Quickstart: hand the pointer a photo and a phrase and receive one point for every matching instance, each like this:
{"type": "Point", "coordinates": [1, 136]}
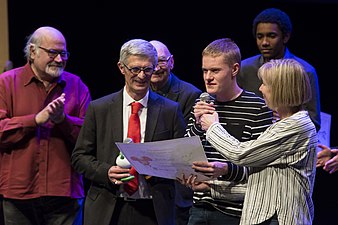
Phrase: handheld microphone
{"type": "Point", "coordinates": [123, 162]}
{"type": "Point", "coordinates": [206, 97]}
{"type": "Point", "coordinates": [128, 140]}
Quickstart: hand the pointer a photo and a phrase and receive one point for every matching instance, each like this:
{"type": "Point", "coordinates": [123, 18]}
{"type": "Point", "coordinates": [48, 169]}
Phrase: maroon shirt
{"type": "Point", "coordinates": [35, 160]}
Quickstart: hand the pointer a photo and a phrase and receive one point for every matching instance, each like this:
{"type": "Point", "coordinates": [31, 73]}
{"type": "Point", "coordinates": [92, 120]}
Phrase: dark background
{"type": "Point", "coordinates": [96, 30]}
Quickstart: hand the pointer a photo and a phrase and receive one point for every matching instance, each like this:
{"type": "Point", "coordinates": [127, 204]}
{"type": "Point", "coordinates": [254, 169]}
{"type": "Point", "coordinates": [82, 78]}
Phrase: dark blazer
{"type": "Point", "coordinates": [248, 80]}
{"type": "Point", "coordinates": [95, 152]}
{"type": "Point", "coordinates": [184, 93]}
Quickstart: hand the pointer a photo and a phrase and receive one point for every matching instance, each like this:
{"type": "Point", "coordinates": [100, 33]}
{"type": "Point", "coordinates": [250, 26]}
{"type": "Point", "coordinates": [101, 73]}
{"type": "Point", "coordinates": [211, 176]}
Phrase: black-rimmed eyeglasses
{"type": "Point", "coordinates": [164, 62]}
{"type": "Point", "coordinates": [136, 70]}
{"type": "Point", "coordinates": [52, 53]}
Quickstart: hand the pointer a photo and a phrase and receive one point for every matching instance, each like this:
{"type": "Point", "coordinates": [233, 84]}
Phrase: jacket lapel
{"type": "Point", "coordinates": [175, 89]}
{"type": "Point", "coordinates": [154, 108]}
{"type": "Point", "coordinates": [116, 115]}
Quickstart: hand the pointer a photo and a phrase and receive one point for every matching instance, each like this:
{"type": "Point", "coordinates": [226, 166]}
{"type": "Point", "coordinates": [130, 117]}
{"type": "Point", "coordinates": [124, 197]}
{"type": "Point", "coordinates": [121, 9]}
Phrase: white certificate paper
{"type": "Point", "coordinates": [324, 132]}
{"type": "Point", "coordinates": [168, 159]}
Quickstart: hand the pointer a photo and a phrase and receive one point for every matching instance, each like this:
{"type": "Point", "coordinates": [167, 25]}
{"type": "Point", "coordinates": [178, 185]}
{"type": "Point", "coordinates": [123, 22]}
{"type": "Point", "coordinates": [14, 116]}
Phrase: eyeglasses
{"type": "Point", "coordinates": [164, 62]}
{"type": "Point", "coordinates": [52, 53]}
{"type": "Point", "coordinates": [136, 70]}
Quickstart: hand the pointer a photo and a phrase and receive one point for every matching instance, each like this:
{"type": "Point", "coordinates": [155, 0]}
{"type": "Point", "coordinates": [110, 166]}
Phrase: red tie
{"type": "Point", "coordinates": [134, 132]}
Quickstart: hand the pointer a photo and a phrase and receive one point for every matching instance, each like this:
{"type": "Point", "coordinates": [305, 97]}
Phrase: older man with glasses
{"type": "Point", "coordinates": [42, 108]}
{"type": "Point", "coordinates": [167, 84]}
{"type": "Point", "coordinates": [107, 122]}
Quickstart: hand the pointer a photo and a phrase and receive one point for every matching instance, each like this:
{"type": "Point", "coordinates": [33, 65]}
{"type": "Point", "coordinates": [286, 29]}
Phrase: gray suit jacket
{"type": "Point", "coordinates": [95, 152]}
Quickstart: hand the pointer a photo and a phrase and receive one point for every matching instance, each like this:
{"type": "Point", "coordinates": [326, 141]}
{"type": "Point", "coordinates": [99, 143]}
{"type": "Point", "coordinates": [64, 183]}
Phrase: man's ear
{"type": "Point", "coordinates": [32, 51]}
{"type": "Point", "coordinates": [235, 69]}
{"type": "Point", "coordinates": [120, 66]}
{"type": "Point", "coordinates": [286, 38]}
{"type": "Point", "coordinates": [172, 62]}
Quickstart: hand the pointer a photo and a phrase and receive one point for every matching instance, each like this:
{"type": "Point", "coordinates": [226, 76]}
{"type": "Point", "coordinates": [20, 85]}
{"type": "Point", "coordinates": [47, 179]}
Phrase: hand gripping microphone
{"type": "Point", "coordinates": [205, 97]}
{"type": "Point", "coordinates": [123, 162]}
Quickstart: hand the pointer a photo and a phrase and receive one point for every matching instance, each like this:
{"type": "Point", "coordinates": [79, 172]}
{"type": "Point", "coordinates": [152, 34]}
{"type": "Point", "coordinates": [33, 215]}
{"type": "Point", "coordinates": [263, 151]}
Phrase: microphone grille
{"type": "Point", "coordinates": [205, 97]}
{"type": "Point", "coordinates": [128, 140]}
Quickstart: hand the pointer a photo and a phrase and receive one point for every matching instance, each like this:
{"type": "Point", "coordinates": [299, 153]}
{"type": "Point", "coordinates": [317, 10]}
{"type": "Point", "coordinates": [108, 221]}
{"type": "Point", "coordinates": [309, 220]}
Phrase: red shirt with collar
{"type": "Point", "coordinates": [35, 160]}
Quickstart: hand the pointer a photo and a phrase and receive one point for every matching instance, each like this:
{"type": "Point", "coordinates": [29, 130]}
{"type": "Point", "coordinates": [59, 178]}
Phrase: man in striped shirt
{"type": "Point", "coordinates": [245, 116]}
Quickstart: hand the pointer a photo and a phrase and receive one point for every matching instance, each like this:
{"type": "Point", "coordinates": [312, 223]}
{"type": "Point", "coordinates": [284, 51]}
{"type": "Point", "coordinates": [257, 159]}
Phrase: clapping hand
{"type": "Point", "coordinates": [54, 111]}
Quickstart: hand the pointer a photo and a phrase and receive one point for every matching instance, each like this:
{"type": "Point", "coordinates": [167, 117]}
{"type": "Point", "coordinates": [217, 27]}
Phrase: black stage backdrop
{"type": "Point", "coordinates": [95, 32]}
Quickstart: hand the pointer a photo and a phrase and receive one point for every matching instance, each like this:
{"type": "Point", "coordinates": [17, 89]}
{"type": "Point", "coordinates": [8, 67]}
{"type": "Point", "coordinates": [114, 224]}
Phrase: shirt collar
{"type": "Point", "coordinates": [30, 76]}
{"type": "Point", "coordinates": [127, 100]}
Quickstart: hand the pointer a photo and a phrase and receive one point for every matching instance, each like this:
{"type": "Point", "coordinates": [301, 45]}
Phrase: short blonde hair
{"type": "Point", "coordinates": [226, 47]}
{"type": "Point", "coordinates": [288, 81]}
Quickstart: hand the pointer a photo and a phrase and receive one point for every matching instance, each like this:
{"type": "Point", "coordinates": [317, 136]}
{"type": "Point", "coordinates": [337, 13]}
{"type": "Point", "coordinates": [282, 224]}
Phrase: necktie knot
{"type": "Point", "coordinates": [134, 128]}
{"type": "Point", "coordinates": [135, 107]}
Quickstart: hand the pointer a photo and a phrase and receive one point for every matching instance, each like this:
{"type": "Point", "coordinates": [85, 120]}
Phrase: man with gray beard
{"type": "Point", "coordinates": [42, 108]}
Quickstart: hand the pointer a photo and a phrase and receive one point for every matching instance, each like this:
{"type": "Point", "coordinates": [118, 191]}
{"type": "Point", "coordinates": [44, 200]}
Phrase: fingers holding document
{"type": "Point", "coordinates": [209, 169]}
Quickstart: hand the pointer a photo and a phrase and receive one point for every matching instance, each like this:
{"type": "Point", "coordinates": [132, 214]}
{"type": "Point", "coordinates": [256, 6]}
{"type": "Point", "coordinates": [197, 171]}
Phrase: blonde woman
{"type": "Point", "coordinates": [283, 157]}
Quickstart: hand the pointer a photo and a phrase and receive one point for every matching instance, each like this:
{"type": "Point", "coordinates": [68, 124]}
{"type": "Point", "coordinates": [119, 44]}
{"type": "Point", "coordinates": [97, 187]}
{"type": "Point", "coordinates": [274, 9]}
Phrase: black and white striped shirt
{"type": "Point", "coordinates": [283, 163]}
{"type": "Point", "coordinates": [245, 117]}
